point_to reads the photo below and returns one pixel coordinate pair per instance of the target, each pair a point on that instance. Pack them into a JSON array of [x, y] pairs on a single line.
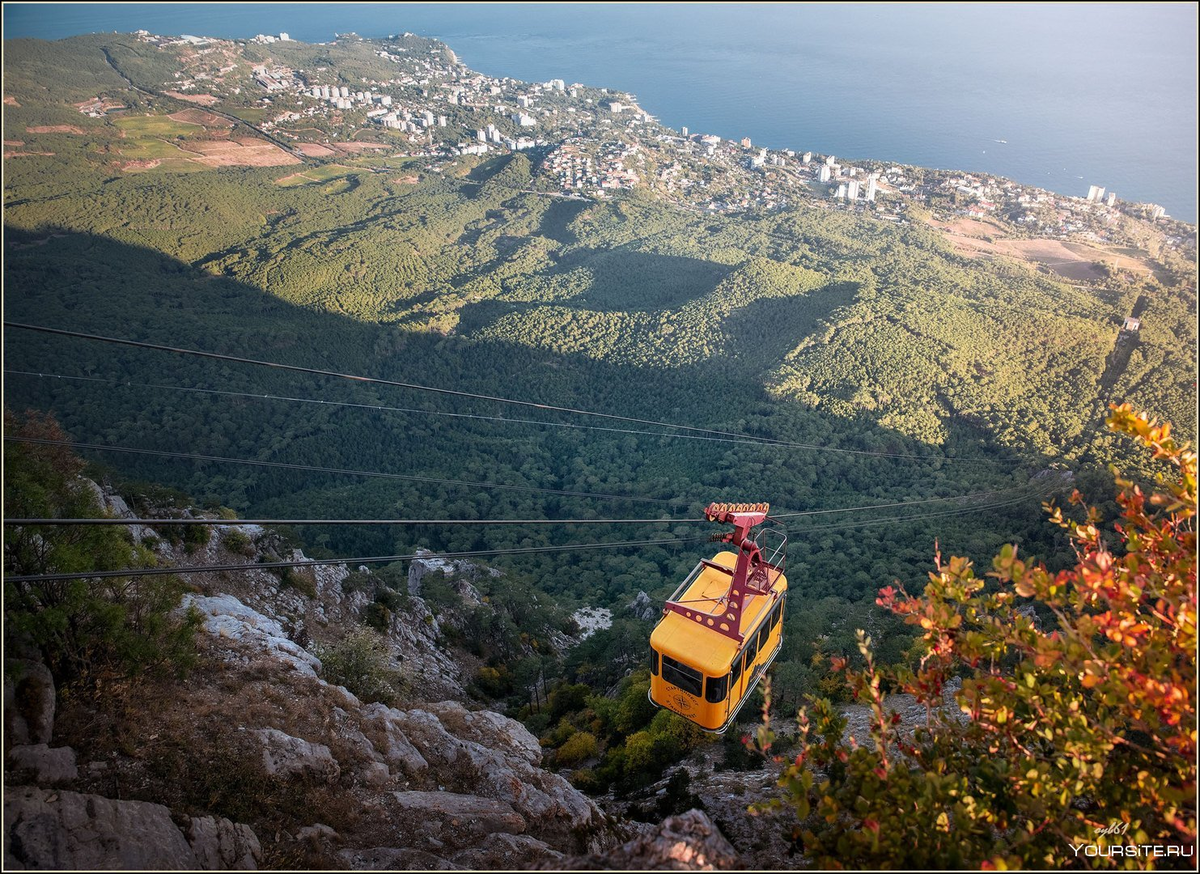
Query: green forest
[[885, 367]]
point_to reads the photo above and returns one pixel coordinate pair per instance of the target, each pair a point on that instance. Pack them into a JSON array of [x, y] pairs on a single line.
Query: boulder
[[286, 756], [219, 844], [67, 830], [397, 751], [503, 852], [42, 765], [29, 702], [556, 810], [688, 842], [317, 832], [458, 820], [489, 729]]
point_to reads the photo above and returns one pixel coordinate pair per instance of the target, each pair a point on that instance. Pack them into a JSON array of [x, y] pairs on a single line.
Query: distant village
[[593, 142]]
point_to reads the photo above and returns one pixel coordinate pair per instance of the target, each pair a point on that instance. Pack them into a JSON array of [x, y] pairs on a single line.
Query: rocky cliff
[[255, 759]]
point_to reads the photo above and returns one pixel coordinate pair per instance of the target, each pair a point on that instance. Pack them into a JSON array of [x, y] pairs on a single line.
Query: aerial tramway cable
[[191, 456], [747, 440], [318, 562], [407, 557], [458, 393]]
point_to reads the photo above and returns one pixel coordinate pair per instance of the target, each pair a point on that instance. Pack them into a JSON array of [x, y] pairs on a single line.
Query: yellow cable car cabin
[[723, 627]]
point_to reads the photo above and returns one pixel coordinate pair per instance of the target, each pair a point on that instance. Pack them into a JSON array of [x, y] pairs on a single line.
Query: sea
[[1061, 96]]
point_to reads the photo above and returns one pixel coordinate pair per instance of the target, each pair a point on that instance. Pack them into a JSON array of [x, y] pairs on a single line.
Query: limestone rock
[[67, 830], [219, 844], [42, 765], [317, 832], [458, 573], [503, 852], [397, 751], [642, 607], [394, 859], [459, 820], [688, 842], [227, 617], [556, 810], [285, 756], [29, 702], [489, 729]]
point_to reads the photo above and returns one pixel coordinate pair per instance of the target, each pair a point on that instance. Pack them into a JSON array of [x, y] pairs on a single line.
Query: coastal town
[[418, 102]]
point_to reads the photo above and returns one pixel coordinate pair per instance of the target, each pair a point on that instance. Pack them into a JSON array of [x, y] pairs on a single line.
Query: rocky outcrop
[[458, 573], [458, 820], [489, 756], [642, 607], [688, 842], [40, 764], [67, 830], [29, 702], [287, 756], [227, 617]]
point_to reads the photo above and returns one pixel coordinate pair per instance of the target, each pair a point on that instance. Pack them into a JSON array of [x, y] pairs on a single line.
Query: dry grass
[[55, 129], [1072, 260], [202, 99], [239, 153], [314, 150], [201, 118]]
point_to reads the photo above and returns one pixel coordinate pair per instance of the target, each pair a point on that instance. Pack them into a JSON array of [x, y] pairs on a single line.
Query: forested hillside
[[908, 371]]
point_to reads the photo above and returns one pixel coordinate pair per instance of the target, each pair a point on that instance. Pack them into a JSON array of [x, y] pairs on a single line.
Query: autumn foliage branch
[[1077, 706]]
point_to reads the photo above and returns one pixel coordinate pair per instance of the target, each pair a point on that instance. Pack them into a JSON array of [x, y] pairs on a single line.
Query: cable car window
[[776, 613], [654, 661], [716, 688], [736, 673], [688, 679], [751, 650], [763, 634]]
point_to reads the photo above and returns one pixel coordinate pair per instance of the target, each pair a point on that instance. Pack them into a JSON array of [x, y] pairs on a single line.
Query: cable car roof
[[702, 648]]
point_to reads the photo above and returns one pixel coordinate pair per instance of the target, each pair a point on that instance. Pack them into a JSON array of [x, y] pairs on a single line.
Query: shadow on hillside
[[98, 285], [625, 280]]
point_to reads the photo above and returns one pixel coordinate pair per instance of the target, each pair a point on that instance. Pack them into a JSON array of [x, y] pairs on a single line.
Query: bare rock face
[[29, 702], [66, 830], [490, 768], [503, 852], [488, 728], [688, 842], [40, 764], [642, 607], [221, 845], [398, 752], [285, 756], [459, 573], [227, 617], [461, 820]]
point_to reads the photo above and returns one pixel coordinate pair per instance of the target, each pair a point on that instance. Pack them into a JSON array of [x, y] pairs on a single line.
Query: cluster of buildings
[[591, 141]]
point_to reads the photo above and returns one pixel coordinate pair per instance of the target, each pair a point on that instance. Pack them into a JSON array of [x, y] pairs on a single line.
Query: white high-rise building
[[872, 186], [283, 37], [826, 173], [852, 190], [807, 159], [1112, 198], [1095, 192], [841, 191]]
